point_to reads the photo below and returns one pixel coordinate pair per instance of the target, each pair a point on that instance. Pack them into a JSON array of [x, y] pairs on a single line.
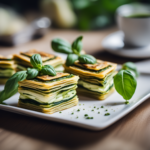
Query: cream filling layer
[[44, 99], [94, 87]]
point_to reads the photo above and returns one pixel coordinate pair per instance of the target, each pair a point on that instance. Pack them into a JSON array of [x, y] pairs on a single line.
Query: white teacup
[[136, 29]]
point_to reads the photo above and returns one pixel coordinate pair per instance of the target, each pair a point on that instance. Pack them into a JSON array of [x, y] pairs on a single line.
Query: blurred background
[[79, 14]]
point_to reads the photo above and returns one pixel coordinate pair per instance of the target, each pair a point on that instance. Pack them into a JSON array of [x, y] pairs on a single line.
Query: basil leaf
[[48, 70], [36, 61], [125, 84], [61, 46], [11, 86], [87, 59], [77, 45], [71, 58], [32, 73], [131, 67]]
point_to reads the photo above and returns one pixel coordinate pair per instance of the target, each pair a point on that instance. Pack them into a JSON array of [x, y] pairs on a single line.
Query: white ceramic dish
[[114, 104], [114, 44]]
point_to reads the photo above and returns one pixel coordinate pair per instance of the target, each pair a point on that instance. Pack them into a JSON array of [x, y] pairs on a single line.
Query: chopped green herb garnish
[[98, 112], [86, 115], [94, 106], [72, 113], [60, 112], [80, 104], [78, 110], [127, 102], [97, 108], [107, 114], [102, 106], [83, 109], [77, 117], [92, 109], [89, 117], [106, 110]]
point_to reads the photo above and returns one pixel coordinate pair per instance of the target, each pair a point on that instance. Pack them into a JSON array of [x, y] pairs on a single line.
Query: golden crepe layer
[[23, 60], [96, 80], [49, 94], [94, 94], [7, 68], [60, 107]]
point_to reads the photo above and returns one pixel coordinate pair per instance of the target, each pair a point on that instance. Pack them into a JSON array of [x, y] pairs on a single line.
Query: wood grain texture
[[18, 132]]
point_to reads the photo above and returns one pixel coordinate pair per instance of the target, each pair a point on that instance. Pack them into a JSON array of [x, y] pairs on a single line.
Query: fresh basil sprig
[[32, 73], [74, 51], [61, 46], [125, 84], [36, 61], [131, 67], [11, 86], [77, 45], [71, 58], [87, 59], [48, 70]]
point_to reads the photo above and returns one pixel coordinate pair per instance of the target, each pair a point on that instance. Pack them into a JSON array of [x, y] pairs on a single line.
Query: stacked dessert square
[[23, 60], [7, 68], [49, 94], [96, 80]]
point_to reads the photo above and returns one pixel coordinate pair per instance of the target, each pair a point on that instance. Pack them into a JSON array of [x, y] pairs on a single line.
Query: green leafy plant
[[48, 70], [32, 73], [36, 61], [131, 67], [96, 14], [71, 58], [61, 46], [87, 59], [77, 45], [74, 52], [125, 84], [11, 86]]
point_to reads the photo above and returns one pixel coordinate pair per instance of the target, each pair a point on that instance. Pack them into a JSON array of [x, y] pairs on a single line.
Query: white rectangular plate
[[114, 105]]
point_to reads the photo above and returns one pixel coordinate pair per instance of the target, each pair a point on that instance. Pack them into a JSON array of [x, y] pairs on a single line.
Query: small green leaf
[[71, 58], [36, 61], [61, 46], [77, 45], [87, 59], [11, 86], [125, 84], [131, 67], [32, 73], [48, 70]]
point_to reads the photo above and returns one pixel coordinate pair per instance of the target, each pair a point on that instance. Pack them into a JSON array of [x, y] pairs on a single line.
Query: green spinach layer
[[95, 91], [30, 101]]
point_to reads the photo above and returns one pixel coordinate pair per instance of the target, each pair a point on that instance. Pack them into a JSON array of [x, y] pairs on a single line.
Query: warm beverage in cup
[[134, 20]]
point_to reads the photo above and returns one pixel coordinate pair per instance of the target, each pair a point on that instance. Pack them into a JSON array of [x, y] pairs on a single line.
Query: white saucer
[[113, 43]]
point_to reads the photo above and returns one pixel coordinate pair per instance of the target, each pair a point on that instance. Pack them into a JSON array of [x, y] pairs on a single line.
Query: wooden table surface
[[18, 132]]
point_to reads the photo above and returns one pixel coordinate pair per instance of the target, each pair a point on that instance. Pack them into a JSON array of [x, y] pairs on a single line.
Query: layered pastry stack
[[23, 60], [7, 68], [49, 94], [96, 80]]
